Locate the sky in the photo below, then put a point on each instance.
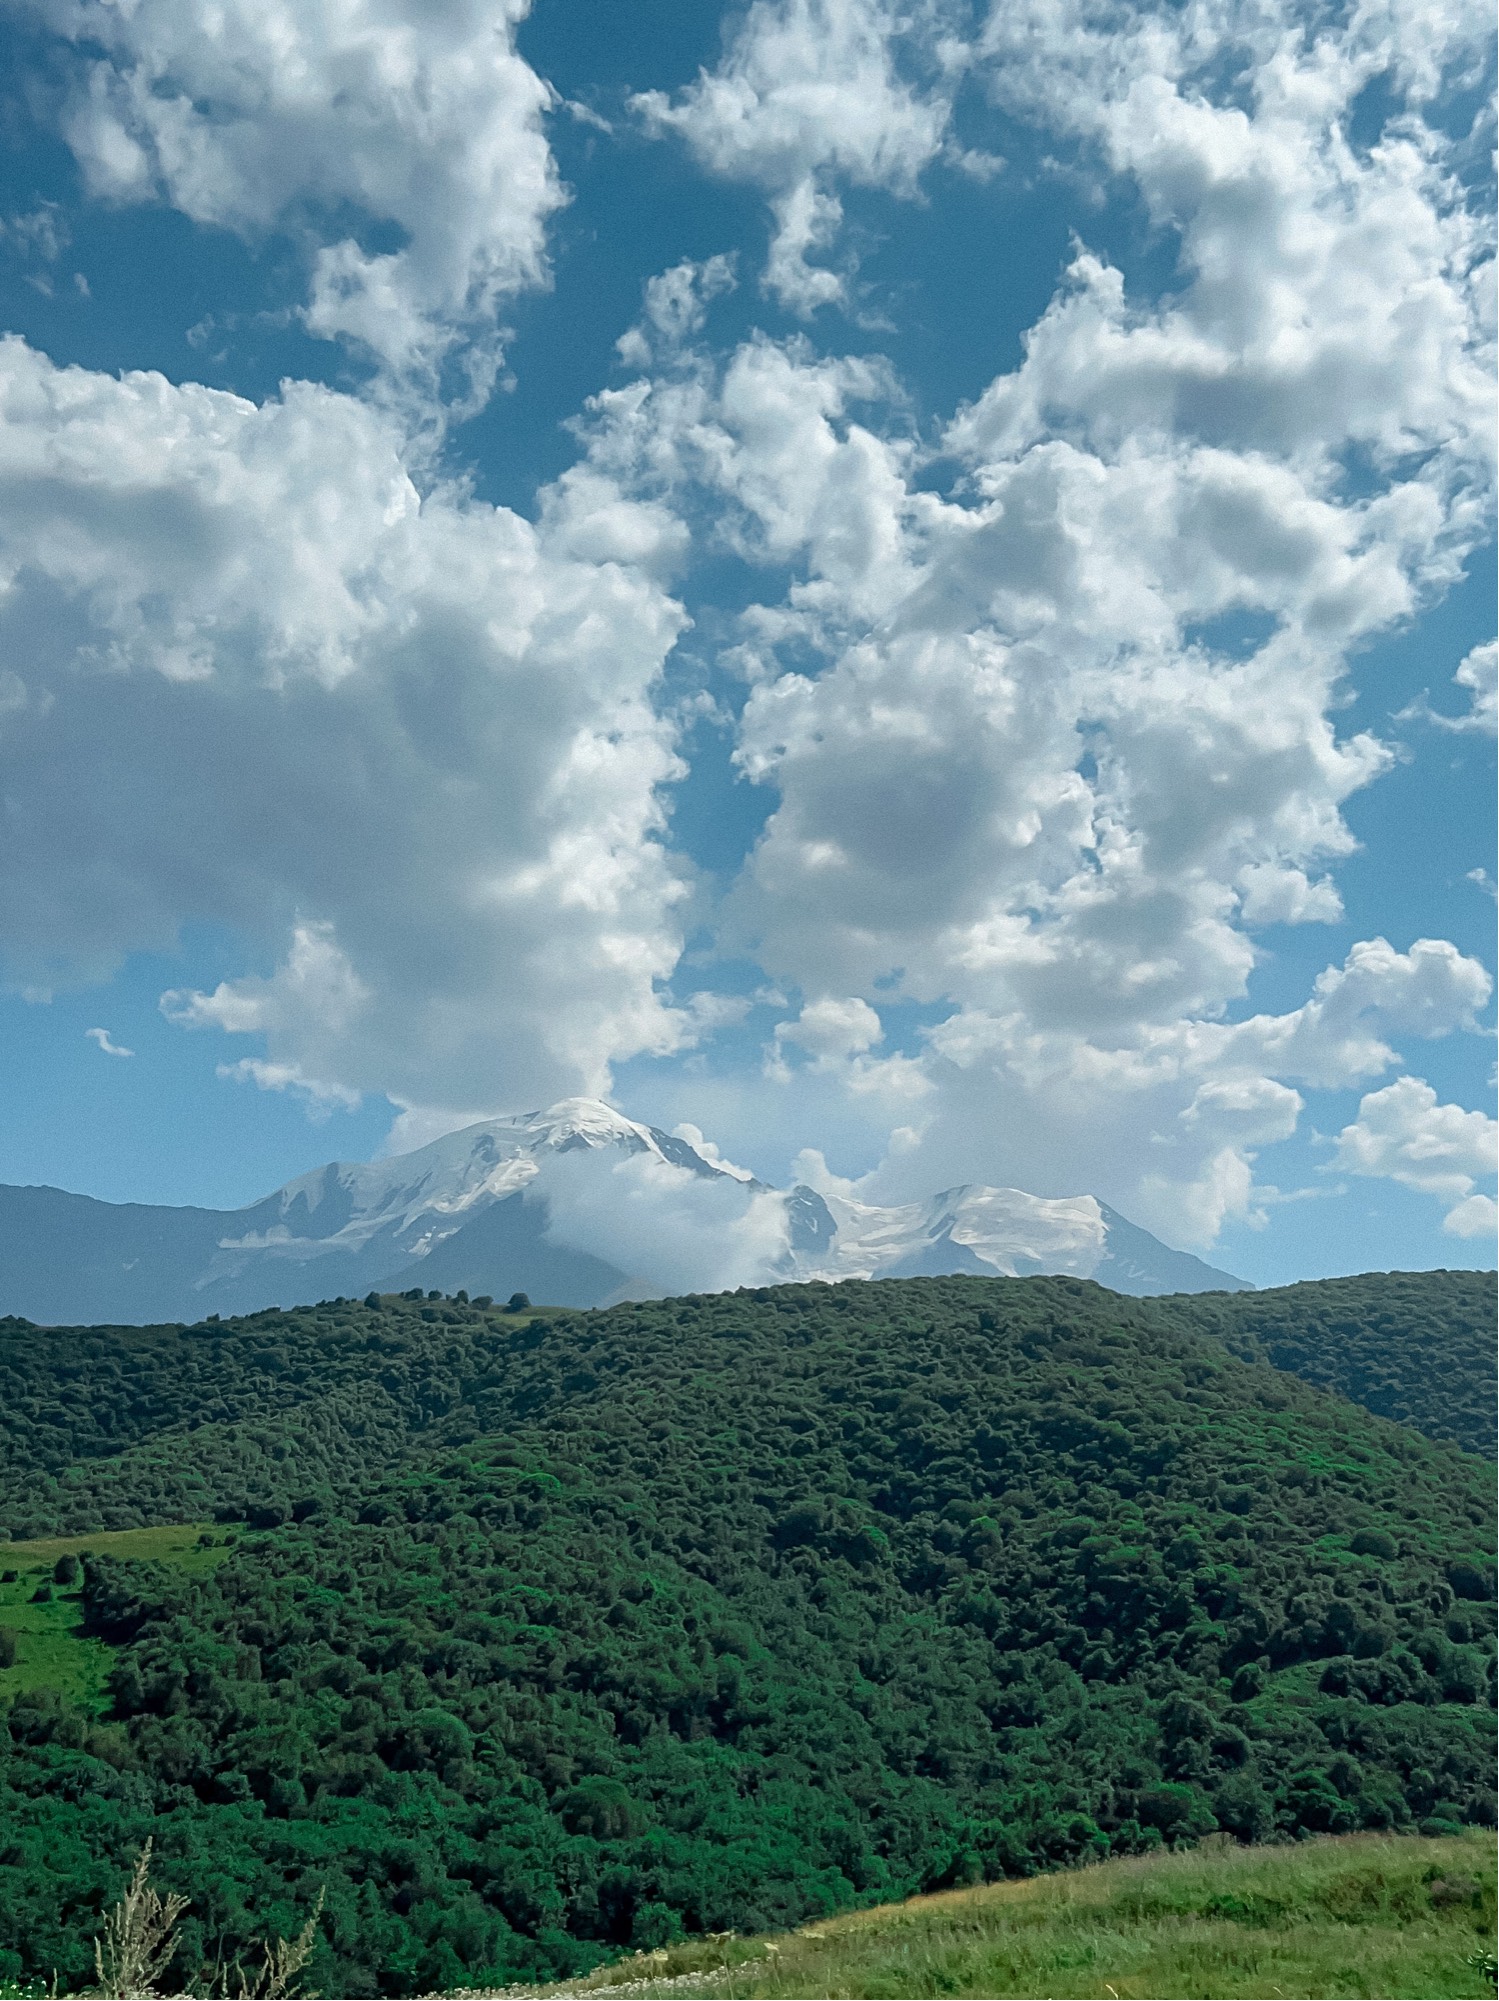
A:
(909, 588)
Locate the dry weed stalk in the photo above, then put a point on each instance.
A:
(139, 1938)
(283, 1962)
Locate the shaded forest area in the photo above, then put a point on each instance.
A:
(549, 1634)
(1415, 1346)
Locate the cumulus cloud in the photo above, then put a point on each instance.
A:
(676, 305)
(1403, 1133)
(1014, 773)
(341, 121)
(1336, 291)
(1024, 774)
(1341, 1033)
(1162, 1119)
(319, 1096)
(1477, 1216)
(830, 1031)
(771, 444)
(1275, 894)
(673, 1230)
(403, 746)
(698, 1140)
(809, 91)
(1479, 676)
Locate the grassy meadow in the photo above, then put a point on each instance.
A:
(1343, 1915)
(51, 1648)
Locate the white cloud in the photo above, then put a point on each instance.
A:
(1479, 674)
(101, 1037)
(1275, 894)
(337, 120)
(1336, 292)
(675, 1230)
(676, 305)
(809, 91)
(1477, 1216)
(407, 746)
(1340, 1034)
(830, 1029)
(1015, 773)
(403, 747)
(807, 218)
(701, 1144)
(1404, 1134)
(42, 234)
(316, 981)
(1161, 1119)
(770, 441)
(320, 1097)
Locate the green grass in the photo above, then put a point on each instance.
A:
(1364, 1914)
(52, 1650)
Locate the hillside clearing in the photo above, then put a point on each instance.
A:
(178, 1543)
(52, 1651)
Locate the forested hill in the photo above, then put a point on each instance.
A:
(1415, 1346)
(288, 1408)
(570, 1631)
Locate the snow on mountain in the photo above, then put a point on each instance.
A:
(364, 1223)
(999, 1232)
(576, 1205)
(426, 1196)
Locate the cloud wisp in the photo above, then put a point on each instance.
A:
(101, 1039)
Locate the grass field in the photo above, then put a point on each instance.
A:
(1368, 1915)
(52, 1651)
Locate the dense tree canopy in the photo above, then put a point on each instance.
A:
(565, 1632)
(1416, 1346)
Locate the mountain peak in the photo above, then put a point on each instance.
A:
(588, 1121)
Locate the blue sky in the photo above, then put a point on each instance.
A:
(914, 589)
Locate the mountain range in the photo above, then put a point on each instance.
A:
(576, 1206)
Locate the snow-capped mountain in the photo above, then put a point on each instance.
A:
(409, 1206)
(995, 1231)
(576, 1205)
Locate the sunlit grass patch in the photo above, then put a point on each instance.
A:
(177, 1543)
(51, 1649)
(1355, 1915)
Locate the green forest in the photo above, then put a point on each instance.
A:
(531, 1637)
(1416, 1346)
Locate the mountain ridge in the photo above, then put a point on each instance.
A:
(576, 1204)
